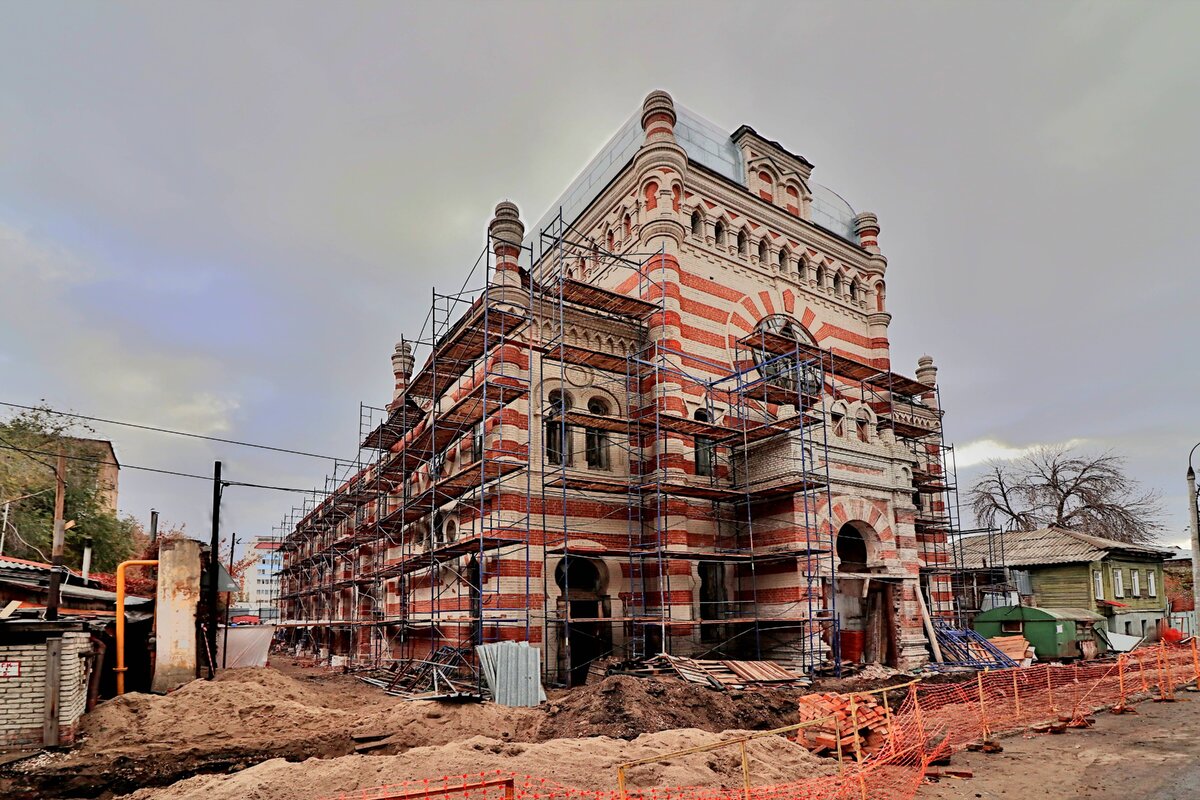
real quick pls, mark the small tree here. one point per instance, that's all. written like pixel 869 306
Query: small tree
pixel 29 442
pixel 1055 487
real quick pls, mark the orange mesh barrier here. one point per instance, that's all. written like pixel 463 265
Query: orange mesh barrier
pixel 923 722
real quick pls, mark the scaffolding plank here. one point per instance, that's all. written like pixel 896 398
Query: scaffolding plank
pixel 462 346
pixel 584 357
pixel 585 294
pixel 451 488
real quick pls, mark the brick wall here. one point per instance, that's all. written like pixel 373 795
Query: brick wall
pixel 23 698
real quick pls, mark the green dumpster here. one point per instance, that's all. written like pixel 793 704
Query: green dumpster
pixel 1054 633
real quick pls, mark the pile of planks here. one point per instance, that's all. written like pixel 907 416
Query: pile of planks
pixel 1014 646
pixel 866 725
pixel 720 675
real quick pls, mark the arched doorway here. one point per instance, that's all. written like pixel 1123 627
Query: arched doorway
pixel 585 602
pixel 866 616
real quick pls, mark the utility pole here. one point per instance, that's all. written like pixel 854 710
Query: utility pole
pixel 4 528
pixel 214 570
pixel 60 534
pixel 153 526
pixel 225 644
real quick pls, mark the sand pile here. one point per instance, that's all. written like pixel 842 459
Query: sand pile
pixel 260 705
pixel 580 763
pixel 623 707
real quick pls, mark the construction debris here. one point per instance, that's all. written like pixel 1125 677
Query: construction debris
pixel 964 647
pixel 721 675
pixel 861 722
pixel 445 675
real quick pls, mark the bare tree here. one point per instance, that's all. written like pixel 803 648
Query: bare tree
pixel 1055 487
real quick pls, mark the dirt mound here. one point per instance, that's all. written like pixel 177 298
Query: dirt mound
pixel 257 704
pixel 624 707
pixel 580 763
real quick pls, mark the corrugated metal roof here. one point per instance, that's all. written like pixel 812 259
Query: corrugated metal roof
pixel 8 562
pixel 1045 546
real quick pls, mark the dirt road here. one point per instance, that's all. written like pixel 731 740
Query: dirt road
pixel 1151 755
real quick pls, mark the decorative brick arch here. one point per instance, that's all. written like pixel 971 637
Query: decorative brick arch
pixel 750 309
pixel 872 517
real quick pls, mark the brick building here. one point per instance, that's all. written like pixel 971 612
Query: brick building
pixel 666 420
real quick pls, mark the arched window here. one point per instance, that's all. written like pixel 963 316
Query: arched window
pixel 854 290
pixel 651 196
pixel 598 406
pixel 880 296
pixel 785 259
pixel 697 224
pixel 821 277
pixel 862 426
pixel 596 439
pixel 628 226
pixel 705 449
pixel 743 242
pixel 610 239
pixel 763 251
pixel 557 432
pixel 837 283
pixel 779 366
pixel 719 233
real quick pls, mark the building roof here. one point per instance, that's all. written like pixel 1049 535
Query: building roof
pixel 267 545
pixel 1046 546
pixel 706 144
pixel 9 562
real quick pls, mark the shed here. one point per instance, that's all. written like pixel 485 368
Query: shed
pixel 1053 632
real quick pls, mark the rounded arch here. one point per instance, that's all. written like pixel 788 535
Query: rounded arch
pixel 880 296
pixel 581 575
pixel 743 243
pixel 697 223
pixel 650 194
pixel 720 232
pixel 764 251
pixel 850 545
pixel 785 260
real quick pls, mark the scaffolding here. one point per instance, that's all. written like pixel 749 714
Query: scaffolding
pixel 464 519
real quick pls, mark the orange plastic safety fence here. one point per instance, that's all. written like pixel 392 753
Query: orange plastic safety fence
pixel 929 720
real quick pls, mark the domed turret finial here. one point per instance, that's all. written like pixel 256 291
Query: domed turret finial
pixel 866 225
pixel 506 232
pixel 658 115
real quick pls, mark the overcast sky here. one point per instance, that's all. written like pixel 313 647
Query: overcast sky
pixel 221 216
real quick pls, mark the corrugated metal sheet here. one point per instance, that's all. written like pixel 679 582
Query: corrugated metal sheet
pixel 1044 546
pixel 513 673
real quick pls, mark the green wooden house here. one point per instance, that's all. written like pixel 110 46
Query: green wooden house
pixel 1056 568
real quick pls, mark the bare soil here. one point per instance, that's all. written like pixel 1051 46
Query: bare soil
pixel 248 716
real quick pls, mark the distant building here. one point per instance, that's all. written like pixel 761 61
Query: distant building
pixel 107 468
pixel 261 579
pixel 1058 568
pixel 1178 579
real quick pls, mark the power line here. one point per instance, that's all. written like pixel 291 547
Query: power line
pixel 27 454
pixel 173 432
pixel 206 478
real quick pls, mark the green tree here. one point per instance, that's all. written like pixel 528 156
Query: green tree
pixel 29 442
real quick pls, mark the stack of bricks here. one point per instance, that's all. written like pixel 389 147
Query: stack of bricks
pixel 23 695
pixel 862 725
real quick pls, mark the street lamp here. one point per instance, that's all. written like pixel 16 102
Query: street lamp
pixel 1194 521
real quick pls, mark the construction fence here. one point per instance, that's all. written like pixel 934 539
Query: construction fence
pixel 924 724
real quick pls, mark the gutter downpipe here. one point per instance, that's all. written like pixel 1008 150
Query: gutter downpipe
pixel 120 668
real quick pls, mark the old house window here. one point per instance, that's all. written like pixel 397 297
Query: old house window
pixel 705 448
pixel 1135 583
pixel 558 434
pixel 719 233
pixel 1118 578
pixel 743 243
pixel 1151 583
pixel 1097 584
pixel 697 224
pixel 595 439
